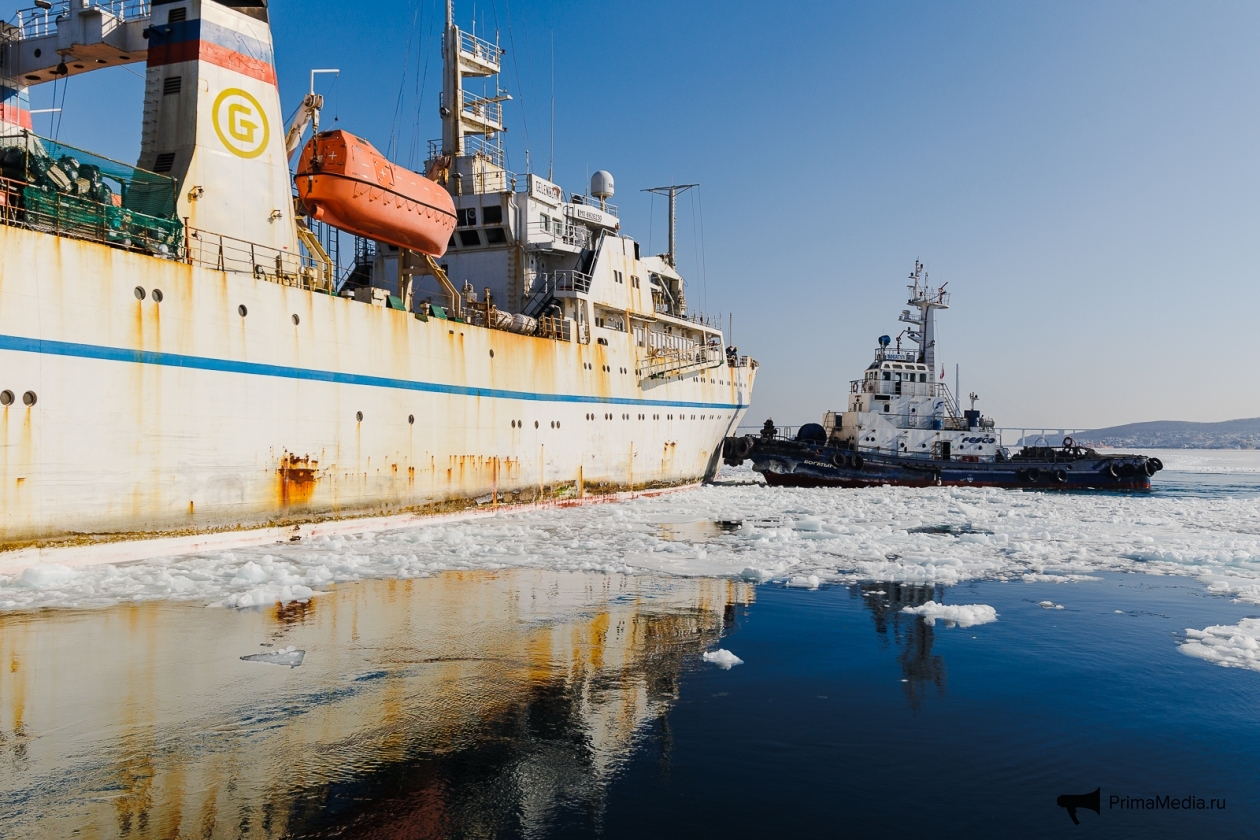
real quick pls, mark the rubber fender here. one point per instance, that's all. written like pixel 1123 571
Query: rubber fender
pixel 857 462
pixel 1034 475
pixel 839 460
pixel 1112 470
pixel 742 447
pixel 1150 467
pixel 1127 470
pixel 1159 465
pixel 1060 476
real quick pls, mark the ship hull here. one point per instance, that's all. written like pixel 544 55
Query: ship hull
pixel 188 416
pixel 797 464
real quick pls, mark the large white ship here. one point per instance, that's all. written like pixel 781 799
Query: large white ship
pixel 179 355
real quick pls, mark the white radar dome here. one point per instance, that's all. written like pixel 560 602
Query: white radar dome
pixel 602 184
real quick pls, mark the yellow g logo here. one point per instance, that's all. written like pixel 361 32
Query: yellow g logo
pixel 240 123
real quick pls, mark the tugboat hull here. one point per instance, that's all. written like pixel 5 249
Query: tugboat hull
pixel 798 464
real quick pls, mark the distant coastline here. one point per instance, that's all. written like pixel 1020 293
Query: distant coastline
pixel 1177 434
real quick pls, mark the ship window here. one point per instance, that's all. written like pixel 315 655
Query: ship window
pixel 177 15
pixel 492 215
pixel 164 162
pixel 896 377
pixel 495 235
pixel 466 217
pixel 886 407
pixel 546 223
pixel 923 377
pixel 172 84
pixel 887 376
pixel 898 367
pixel 469 237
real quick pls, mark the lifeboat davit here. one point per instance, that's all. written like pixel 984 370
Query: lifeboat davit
pixel 344 181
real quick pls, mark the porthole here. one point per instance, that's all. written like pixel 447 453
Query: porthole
pixel 29 398
pixel 157 295
pixel 242 310
pixel 6 397
pixel 557 424
pixel 411 419
pixel 358 415
pixel 535 424
pixel 492 354
pixel 296 319
pixel 139 292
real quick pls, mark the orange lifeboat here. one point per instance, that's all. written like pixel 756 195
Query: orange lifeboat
pixel 344 181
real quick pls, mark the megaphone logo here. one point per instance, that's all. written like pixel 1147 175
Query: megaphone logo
pixel 1072 801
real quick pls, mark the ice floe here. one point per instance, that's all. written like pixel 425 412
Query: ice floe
pixel 954 615
pixel 290 656
pixel 722 658
pixel 1228 645
pixel 796 536
pixel 1049 605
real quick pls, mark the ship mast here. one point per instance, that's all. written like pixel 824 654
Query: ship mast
pixel 672 192
pixel 471 123
pixel 927 299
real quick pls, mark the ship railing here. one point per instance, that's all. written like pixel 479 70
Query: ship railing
pixel 737 361
pixel 480 183
pixel 559 329
pixel 590 201
pixel 123 9
pixel 774 433
pixel 480 109
pixel 483 147
pixel 228 254
pixel 571 280
pixel 37 22
pixel 47 211
pixel 479 49
pixel 663 362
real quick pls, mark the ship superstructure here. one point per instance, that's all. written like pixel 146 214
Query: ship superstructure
pixel 179 353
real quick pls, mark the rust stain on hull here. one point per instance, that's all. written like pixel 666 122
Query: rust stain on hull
pixel 297 479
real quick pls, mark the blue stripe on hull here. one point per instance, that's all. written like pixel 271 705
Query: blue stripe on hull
pixel 150 357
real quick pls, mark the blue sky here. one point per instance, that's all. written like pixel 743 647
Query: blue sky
pixel 1083 174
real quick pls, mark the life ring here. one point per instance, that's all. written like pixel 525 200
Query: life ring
pixel 1060 476
pixel 857 462
pixel 1068 443
pixel 1034 475
pixel 1112 470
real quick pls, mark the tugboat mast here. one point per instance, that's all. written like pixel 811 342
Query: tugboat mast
pixel 927 299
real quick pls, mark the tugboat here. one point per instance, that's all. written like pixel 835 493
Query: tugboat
pixel 904 427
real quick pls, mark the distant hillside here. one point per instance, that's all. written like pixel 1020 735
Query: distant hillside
pixel 1178 434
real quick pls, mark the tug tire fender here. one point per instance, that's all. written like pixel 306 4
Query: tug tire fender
pixel 1034 475
pixel 742 447
pixel 1112 470
pixel 1159 465
pixel 1150 467
pixel 1060 476
pixel 857 461
pixel 839 460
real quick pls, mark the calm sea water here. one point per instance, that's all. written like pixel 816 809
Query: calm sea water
pixel 541 702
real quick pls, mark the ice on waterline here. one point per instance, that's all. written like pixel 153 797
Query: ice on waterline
pixel 894 534
pixel 954 615
pixel 722 658
pixel 1228 645
pixel 290 656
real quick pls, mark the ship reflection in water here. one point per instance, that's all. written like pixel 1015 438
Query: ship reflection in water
pixel 921 669
pixel 469 703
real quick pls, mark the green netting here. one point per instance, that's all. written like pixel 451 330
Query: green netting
pixel 79 193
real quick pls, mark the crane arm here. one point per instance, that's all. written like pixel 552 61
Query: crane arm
pixel 308 114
